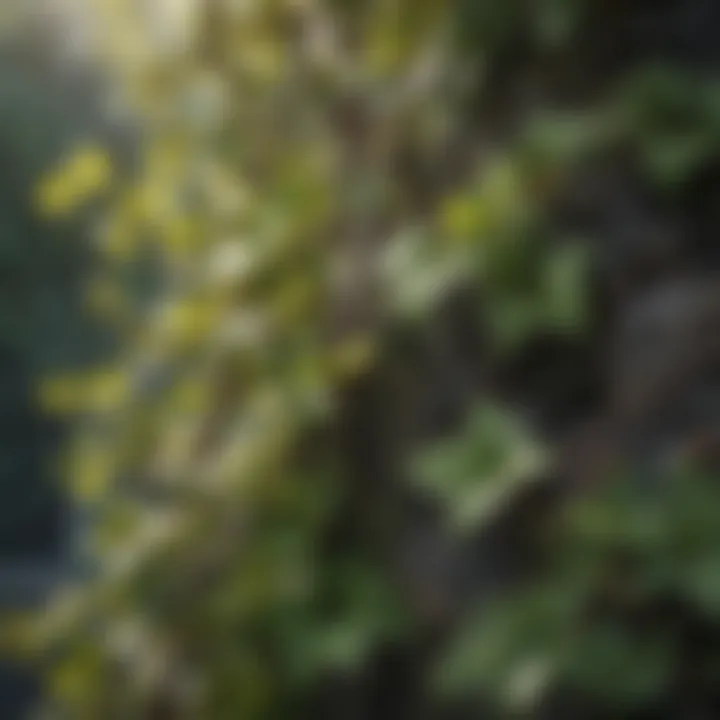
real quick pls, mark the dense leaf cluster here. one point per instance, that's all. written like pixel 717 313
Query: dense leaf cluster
pixel 376 264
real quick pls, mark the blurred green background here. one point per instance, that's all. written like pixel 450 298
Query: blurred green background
pixel 359 360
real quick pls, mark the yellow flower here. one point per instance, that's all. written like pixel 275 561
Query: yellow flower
pixel 92 169
pixel 86 175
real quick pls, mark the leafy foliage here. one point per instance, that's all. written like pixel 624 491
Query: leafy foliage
pixel 313 182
